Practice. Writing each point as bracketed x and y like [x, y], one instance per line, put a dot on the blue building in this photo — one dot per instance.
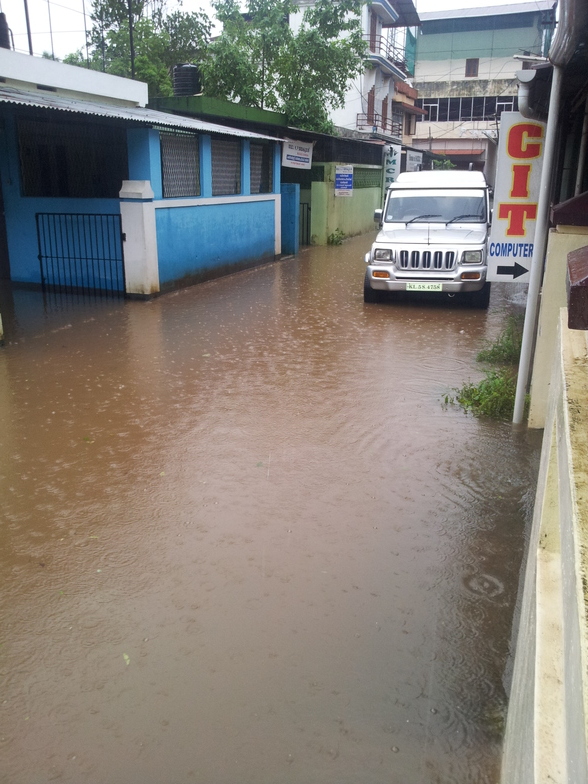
[99, 192]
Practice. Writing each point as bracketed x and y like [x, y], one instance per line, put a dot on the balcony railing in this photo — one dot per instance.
[381, 46]
[374, 122]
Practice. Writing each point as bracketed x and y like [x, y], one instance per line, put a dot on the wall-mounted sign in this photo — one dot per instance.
[414, 161]
[391, 164]
[516, 193]
[343, 180]
[296, 155]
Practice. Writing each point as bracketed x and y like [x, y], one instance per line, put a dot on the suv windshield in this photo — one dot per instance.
[436, 206]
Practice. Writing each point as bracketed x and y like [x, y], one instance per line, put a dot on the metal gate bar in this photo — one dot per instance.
[81, 252]
[304, 235]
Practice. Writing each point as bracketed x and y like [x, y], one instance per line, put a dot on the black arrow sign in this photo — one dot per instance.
[515, 271]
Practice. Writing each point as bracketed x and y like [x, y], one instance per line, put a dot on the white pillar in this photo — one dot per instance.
[140, 238]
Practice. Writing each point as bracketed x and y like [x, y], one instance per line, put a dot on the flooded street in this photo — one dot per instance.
[242, 541]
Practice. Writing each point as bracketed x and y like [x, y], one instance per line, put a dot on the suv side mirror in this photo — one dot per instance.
[377, 216]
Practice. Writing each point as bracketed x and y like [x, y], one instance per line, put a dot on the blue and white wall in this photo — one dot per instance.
[185, 239]
[206, 236]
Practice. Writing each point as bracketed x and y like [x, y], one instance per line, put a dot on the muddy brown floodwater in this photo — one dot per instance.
[243, 542]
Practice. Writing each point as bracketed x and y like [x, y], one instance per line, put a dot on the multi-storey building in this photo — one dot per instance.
[466, 62]
[380, 102]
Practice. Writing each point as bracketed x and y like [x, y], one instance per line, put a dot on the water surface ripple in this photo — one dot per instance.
[243, 541]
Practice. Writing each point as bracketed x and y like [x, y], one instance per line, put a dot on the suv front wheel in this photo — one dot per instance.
[369, 294]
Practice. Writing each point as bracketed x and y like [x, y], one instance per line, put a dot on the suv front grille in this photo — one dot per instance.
[427, 259]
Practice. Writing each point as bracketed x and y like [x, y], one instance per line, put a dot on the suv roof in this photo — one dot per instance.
[440, 179]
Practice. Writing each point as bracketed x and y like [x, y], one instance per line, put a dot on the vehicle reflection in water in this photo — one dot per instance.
[243, 541]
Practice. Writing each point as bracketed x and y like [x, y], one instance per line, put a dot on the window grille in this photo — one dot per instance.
[459, 109]
[180, 164]
[261, 168]
[366, 178]
[226, 166]
[73, 159]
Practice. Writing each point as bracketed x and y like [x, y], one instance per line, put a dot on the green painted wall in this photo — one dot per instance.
[350, 215]
[443, 42]
[480, 43]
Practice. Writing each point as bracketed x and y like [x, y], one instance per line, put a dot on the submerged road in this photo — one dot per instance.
[244, 542]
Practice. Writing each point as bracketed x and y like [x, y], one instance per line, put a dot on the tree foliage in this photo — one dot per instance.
[160, 41]
[259, 61]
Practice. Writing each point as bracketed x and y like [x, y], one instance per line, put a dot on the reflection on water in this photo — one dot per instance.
[242, 540]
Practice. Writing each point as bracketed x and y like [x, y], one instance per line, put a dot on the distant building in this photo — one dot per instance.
[466, 61]
[380, 103]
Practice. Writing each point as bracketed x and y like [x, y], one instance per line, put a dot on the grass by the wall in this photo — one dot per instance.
[506, 349]
[494, 395]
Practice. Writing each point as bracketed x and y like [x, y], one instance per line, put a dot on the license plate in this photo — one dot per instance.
[424, 287]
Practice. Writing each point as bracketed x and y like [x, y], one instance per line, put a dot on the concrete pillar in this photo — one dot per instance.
[246, 167]
[144, 152]
[205, 166]
[290, 218]
[277, 167]
[140, 238]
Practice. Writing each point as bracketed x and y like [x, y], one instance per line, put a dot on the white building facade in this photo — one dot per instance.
[380, 101]
[465, 70]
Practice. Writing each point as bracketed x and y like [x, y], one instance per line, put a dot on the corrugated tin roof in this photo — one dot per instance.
[137, 114]
[492, 10]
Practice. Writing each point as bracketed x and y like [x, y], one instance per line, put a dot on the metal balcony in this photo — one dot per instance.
[375, 123]
[390, 57]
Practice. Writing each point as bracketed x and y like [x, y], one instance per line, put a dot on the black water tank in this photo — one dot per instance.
[186, 79]
[4, 33]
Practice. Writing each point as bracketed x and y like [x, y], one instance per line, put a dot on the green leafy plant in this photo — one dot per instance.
[494, 395]
[336, 238]
[443, 164]
[506, 349]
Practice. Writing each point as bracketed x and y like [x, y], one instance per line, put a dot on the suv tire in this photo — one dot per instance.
[369, 294]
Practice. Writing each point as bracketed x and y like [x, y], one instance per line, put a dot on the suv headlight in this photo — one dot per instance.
[382, 254]
[472, 257]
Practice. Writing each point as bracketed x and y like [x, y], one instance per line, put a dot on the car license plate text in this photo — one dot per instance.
[424, 287]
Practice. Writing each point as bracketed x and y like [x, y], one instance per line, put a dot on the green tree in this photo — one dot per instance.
[259, 61]
[160, 41]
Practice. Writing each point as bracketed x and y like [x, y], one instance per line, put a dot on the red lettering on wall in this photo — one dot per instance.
[518, 144]
[520, 180]
[516, 215]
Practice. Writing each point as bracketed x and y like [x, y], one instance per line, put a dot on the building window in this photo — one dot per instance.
[261, 160]
[409, 124]
[471, 68]
[72, 159]
[180, 164]
[431, 106]
[397, 118]
[506, 103]
[466, 109]
[226, 166]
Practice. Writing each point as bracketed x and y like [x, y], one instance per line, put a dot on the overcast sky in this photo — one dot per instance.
[58, 25]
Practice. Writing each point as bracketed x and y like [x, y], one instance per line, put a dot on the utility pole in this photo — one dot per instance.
[131, 43]
[26, 9]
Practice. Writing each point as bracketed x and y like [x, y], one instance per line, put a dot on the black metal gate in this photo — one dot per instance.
[81, 253]
[304, 236]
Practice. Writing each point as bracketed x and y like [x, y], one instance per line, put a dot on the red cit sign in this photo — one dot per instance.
[516, 194]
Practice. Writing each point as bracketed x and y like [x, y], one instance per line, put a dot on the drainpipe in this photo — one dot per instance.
[582, 152]
[525, 79]
[571, 24]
